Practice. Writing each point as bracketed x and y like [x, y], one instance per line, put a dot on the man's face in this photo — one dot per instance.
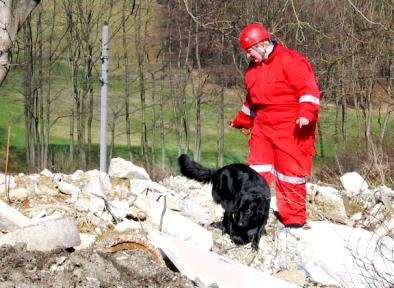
[256, 53]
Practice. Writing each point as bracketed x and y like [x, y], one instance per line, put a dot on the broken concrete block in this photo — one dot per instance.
[210, 268]
[353, 183]
[11, 219]
[66, 188]
[384, 195]
[120, 209]
[87, 241]
[346, 257]
[386, 228]
[174, 224]
[46, 173]
[19, 194]
[90, 203]
[45, 187]
[77, 176]
[98, 183]
[195, 212]
[125, 169]
[155, 191]
[45, 236]
[127, 225]
[328, 201]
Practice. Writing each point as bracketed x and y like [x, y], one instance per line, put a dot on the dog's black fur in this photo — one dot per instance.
[243, 194]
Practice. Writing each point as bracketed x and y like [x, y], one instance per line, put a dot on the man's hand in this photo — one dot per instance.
[302, 122]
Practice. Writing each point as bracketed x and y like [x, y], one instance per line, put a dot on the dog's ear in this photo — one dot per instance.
[263, 208]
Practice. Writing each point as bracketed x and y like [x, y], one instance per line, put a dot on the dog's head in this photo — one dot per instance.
[250, 211]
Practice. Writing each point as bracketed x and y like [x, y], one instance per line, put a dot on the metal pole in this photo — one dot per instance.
[103, 105]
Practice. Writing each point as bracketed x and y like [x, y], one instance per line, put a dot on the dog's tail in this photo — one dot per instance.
[194, 170]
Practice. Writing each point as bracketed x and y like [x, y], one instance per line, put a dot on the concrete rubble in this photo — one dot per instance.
[55, 210]
[45, 236]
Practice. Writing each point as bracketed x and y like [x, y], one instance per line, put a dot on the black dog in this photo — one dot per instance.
[243, 194]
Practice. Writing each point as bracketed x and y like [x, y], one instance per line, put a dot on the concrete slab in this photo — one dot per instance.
[211, 268]
[11, 219]
[45, 236]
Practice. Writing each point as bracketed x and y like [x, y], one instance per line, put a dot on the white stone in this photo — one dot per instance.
[39, 214]
[45, 187]
[354, 183]
[64, 187]
[11, 219]
[376, 209]
[174, 223]
[348, 257]
[386, 228]
[120, 208]
[46, 173]
[210, 268]
[55, 215]
[194, 212]
[127, 225]
[45, 236]
[328, 200]
[155, 190]
[357, 217]
[273, 205]
[32, 178]
[87, 241]
[98, 183]
[18, 194]
[90, 203]
[385, 195]
[78, 175]
[125, 169]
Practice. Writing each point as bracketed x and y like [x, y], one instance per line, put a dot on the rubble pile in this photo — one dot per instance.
[95, 229]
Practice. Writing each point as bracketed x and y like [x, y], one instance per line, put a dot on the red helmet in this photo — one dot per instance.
[252, 34]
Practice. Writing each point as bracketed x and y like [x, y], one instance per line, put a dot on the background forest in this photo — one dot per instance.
[176, 77]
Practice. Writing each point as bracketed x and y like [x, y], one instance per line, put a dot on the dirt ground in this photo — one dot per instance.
[85, 268]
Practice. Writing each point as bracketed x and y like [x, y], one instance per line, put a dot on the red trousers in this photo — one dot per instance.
[280, 151]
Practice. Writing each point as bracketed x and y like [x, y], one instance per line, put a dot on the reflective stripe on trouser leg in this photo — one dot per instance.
[291, 167]
[266, 171]
[261, 155]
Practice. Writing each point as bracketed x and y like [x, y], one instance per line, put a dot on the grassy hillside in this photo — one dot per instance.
[336, 148]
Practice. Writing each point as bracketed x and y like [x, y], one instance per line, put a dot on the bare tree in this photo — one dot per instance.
[127, 74]
[13, 13]
[28, 84]
[141, 25]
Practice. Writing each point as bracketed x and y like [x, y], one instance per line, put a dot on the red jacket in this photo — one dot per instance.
[285, 79]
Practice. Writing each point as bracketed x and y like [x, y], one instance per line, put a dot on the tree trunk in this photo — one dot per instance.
[13, 14]
[72, 61]
[126, 82]
[197, 101]
[39, 89]
[140, 49]
[29, 99]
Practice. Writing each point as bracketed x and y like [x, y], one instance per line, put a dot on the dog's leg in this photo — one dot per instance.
[256, 236]
[226, 222]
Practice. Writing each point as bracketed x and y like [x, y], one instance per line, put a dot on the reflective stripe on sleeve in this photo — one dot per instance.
[309, 98]
[247, 111]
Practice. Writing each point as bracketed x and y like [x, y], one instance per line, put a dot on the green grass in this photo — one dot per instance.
[235, 144]
[236, 148]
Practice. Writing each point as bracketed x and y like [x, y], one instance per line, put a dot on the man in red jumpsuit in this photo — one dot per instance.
[281, 109]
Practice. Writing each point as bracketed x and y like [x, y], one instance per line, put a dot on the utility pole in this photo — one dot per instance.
[103, 105]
